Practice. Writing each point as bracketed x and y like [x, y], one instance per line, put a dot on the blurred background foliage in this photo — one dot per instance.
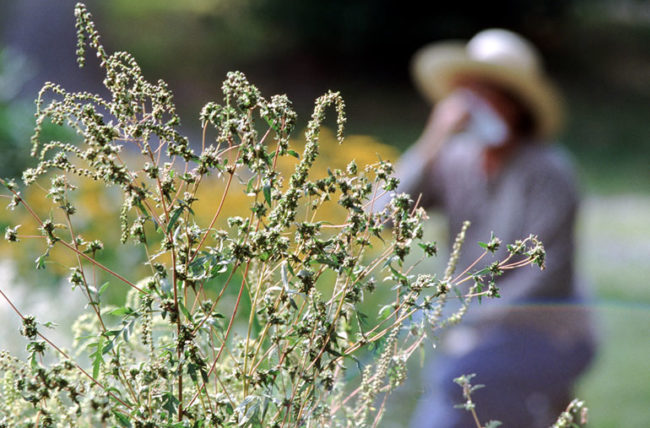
[98, 216]
[597, 51]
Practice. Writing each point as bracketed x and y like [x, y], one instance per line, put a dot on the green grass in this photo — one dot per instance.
[614, 250]
[616, 388]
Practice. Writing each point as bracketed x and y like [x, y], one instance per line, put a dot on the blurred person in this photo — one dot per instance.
[486, 155]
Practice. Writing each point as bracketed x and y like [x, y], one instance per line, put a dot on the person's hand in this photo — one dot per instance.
[450, 114]
[448, 117]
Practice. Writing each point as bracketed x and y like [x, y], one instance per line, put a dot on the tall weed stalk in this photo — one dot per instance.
[252, 320]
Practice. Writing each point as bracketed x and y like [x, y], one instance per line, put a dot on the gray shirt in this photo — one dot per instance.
[534, 193]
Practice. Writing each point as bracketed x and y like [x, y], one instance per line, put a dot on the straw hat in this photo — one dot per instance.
[496, 55]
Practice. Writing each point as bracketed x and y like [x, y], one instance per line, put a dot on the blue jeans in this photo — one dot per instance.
[528, 381]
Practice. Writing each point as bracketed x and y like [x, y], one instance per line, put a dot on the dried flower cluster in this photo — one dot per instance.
[251, 324]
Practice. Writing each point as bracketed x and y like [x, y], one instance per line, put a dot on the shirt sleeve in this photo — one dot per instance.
[420, 178]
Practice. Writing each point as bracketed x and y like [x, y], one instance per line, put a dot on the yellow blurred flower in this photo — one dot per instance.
[97, 215]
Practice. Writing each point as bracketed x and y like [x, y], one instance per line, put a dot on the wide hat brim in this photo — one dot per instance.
[436, 69]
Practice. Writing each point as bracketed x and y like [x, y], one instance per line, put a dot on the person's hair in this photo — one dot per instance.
[525, 124]
[520, 117]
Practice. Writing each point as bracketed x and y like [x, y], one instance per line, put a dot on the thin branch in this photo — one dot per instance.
[60, 351]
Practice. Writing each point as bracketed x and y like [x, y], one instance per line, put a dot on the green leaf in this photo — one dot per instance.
[175, 215]
[115, 392]
[128, 329]
[271, 123]
[108, 347]
[329, 260]
[248, 408]
[479, 289]
[385, 311]
[204, 375]
[122, 419]
[334, 352]
[429, 248]
[481, 272]
[399, 275]
[283, 274]
[293, 153]
[290, 269]
[124, 310]
[293, 303]
[267, 193]
[170, 403]
[185, 205]
[363, 318]
[229, 409]
[40, 261]
[98, 356]
[191, 370]
[249, 185]
[102, 288]
[185, 311]
[269, 158]
[111, 343]
[141, 207]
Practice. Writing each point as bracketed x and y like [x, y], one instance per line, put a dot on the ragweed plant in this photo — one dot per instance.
[574, 416]
[464, 382]
[254, 321]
